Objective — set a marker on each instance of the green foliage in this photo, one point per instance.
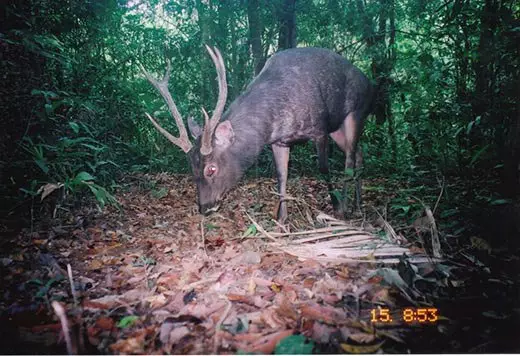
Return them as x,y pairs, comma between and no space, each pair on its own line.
43,288
75,99
127,321
294,345
71,162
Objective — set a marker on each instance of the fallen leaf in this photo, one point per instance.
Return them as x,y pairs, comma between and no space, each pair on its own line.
105,323
328,315
362,338
361,349
267,344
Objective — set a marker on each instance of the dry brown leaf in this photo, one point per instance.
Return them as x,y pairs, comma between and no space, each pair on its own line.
328,315
361,349
156,301
362,338
271,319
382,294
105,323
95,265
47,189
93,305
131,345
309,282
169,280
267,344
177,334
286,308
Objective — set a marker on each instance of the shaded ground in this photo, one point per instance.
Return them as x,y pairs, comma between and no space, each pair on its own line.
159,278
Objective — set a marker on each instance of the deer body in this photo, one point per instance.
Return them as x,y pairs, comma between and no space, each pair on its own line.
301,94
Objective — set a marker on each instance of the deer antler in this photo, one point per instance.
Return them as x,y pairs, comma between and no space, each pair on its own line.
183,140
211,124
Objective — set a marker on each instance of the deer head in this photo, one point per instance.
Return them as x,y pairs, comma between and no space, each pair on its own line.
214,169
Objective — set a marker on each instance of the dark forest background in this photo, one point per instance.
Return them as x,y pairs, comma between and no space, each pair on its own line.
447,117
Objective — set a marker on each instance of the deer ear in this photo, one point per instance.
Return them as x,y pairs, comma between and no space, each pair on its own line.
194,128
224,134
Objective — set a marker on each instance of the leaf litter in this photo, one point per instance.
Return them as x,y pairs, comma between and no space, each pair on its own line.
160,278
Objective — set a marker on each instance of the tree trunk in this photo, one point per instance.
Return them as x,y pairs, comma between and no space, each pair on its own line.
287,18
255,34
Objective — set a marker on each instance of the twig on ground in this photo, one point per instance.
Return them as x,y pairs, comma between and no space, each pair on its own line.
261,229
223,317
60,312
71,281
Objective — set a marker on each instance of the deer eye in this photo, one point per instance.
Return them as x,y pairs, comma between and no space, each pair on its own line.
210,170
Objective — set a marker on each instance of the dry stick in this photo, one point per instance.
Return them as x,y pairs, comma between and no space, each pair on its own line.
198,283
436,244
440,194
203,237
71,281
297,200
364,237
389,229
316,231
219,325
333,221
60,312
261,229
281,227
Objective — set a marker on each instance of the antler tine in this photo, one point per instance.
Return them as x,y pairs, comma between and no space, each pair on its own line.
183,140
210,126
222,82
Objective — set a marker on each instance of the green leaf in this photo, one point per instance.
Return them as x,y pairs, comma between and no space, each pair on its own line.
160,193
251,230
349,172
83,177
35,281
100,194
448,213
127,321
94,148
210,227
404,208
478,154
43,166
500,201
74,126
49,109
337,194
294,345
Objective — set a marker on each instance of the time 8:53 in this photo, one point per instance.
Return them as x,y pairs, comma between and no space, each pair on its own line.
409,315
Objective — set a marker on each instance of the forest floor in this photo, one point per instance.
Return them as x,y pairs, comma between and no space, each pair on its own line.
156,277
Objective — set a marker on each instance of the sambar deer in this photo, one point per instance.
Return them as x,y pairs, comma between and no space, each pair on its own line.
301,94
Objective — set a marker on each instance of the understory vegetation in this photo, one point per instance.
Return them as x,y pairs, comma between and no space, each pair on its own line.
446,128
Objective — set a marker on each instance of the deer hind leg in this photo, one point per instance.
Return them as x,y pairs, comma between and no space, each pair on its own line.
322,147
281,160
347,137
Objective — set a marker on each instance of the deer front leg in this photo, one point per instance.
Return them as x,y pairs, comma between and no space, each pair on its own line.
281,160
347,138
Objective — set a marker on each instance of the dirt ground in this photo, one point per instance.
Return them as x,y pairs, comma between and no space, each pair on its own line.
156,277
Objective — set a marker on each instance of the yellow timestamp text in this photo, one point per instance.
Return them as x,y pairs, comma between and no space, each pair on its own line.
407,315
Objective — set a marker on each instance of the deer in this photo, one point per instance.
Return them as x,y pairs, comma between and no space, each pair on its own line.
301,94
